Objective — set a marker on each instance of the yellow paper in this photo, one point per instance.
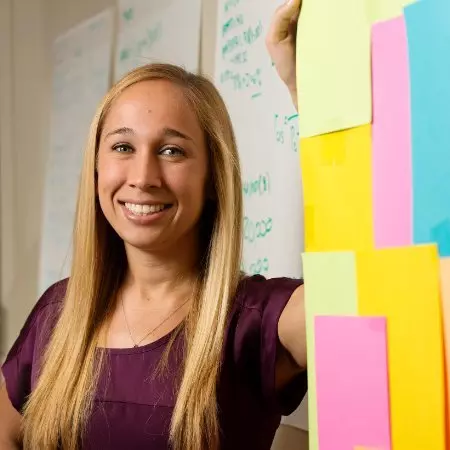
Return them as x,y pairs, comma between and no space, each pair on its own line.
386,9
333,66
330,289
337,189
445,297
402,284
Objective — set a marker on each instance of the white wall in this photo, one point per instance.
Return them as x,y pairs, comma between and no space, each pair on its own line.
6,176
24,79
27,29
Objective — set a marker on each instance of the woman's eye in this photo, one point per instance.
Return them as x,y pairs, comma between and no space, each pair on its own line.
172,151
122,148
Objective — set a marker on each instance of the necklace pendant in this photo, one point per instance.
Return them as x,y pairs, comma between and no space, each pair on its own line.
135,346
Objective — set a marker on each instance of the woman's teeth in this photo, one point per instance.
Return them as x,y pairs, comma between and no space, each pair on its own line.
143,210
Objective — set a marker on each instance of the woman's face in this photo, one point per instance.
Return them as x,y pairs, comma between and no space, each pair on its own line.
152,166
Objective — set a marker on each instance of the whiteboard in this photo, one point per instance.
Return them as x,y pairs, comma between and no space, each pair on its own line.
81,65
158,31
266,127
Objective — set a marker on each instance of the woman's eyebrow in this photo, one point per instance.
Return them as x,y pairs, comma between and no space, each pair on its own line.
166,132
121,130
171,132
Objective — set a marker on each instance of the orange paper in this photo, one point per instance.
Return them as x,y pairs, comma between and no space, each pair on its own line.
445,296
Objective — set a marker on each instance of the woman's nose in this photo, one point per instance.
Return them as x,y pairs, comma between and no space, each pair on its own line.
145,172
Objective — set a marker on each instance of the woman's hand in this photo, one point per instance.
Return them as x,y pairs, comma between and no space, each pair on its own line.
280,42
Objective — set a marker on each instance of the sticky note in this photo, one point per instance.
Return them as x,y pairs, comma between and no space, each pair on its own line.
352,382
333,66
445,298
363,447
330,288
391,135
337,190
402,284
381,10
428,27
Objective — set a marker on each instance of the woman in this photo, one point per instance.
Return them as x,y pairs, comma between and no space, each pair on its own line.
157,340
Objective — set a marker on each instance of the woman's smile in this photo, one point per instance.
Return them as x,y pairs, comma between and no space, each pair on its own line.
144,213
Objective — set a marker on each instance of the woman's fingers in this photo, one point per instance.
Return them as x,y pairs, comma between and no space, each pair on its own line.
281,26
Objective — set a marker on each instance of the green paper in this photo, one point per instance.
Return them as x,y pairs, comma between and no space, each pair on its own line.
380,10
330,289
333,66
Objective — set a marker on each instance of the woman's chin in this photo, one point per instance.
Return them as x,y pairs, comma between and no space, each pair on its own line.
144,243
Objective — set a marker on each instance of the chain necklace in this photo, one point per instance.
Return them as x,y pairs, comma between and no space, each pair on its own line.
136,344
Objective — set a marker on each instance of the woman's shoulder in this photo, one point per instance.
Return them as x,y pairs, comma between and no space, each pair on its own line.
21,365
254,292
252,344
52,295
43,315
49,303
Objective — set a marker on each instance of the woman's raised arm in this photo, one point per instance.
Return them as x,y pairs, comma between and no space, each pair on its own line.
281,45
280,42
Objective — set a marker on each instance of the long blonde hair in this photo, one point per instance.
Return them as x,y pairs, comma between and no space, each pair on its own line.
59,407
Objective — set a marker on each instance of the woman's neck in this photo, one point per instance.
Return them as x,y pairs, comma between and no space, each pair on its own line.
161,278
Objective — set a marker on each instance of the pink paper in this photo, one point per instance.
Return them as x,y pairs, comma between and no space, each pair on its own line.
352,383
391,135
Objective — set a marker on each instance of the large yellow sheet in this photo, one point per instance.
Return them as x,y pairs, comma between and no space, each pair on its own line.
337,187
403,285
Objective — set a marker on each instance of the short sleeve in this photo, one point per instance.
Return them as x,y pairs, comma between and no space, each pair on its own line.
260,304
21,364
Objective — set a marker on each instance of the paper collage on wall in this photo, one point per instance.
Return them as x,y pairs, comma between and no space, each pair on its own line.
375,161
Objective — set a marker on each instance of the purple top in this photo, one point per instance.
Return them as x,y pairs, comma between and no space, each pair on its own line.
133,410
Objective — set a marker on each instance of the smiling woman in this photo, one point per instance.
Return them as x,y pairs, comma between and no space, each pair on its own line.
157,340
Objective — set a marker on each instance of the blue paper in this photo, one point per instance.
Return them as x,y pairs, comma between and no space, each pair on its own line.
428,27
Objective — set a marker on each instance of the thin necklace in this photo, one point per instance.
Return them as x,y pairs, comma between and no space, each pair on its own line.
136,344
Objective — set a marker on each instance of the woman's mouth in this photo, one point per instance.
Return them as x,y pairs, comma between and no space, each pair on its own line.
145,214
145,210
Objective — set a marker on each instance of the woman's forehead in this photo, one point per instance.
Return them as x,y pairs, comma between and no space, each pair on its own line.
153,101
